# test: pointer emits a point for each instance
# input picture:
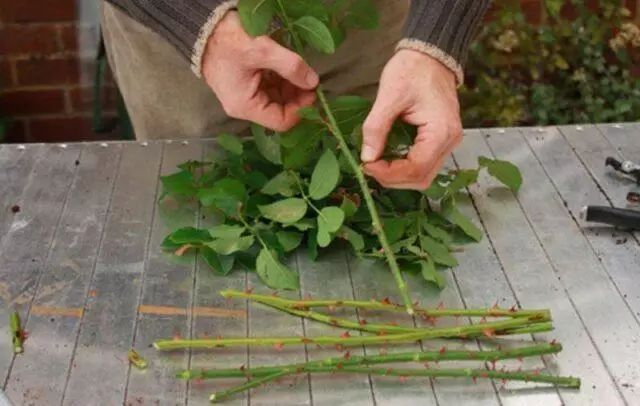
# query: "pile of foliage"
(564, 71)
(274, 192)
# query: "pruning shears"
(627, 217)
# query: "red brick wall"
(46, 82)
(45, 91)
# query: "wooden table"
(81, 262)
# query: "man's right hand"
(256, 79)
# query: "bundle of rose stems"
(508, 322)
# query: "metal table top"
(82, 263)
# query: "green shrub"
(561, 72)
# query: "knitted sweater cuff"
(443, 29)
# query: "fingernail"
(368, 153)
(312, 79)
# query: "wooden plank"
(328, 277)
(618, 252)
(625, 137)
(207, 287)
(15, 167)
(98, 371)
(532, 276)
(593, 149)
(26, 246)
(54, 320)
(168, 281)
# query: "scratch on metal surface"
(197, 311)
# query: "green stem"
(218, 396)
(377, 305)
(344, 147)
(17, 334)
(466, 331)
(428, 356)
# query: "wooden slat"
(98, 372)
(55, 315)
(26, 246)
(167, 282)
(16, 166)
(532, 276)
(328, 277)
(625, 137)
(207, 287)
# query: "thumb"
(288, 64)
(376, 127)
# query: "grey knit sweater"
(442, 29)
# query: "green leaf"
(304, 224)
(315, 33)
(222, 264)
(394, 228)
(256, 15)
(230, 245)
(349, 234)
(269, 147)
(226, 231)
(400, 244)
(455, 216)
(290, 240)
(438, 233)
(256, 180)
(180, 183)
(168, 244)
(312, 244)
(504, 171)
(226, 194)
(348, 207)
(430, 274)
(350, 112)
(554, 7)
(362, 14)
(285, 211)
(283, 184)
(463, 178)
(330, 220)
(435, 191)
(190, 235)
(273, 273)
(310, 113)
(325, 176)
(230, 143)
(440, 253)
(299, 8)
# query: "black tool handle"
(624, 218)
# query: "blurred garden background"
(533, 62)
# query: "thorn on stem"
(345, 335)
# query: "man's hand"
(422, 91)
(256, 79)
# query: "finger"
(276, 116)
(377, 125)
(288, 64)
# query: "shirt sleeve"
(185, 24)
(444, 29)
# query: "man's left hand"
(421, 91)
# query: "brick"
(16, 103)
(15, 131)
(48, 71)
(28, 11)
(65, 129)
(69, 37)
(26, 39)
(82, 99)
(6, 74)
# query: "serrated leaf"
(284, 184)
(400, 244)
(285, 211)
(269, 146)
(167, 244)
(431, 274)
(325, 176)
(350, 112)
(290, 240)
(438, 252)
(180, 183)
(394, 228)
(221, 264)
(354, 238)
(275, 274)
(348, 207)
(310, 113)
(330, 220)
(315, 33)
(226, 231)
(227, 246)
(455, 216)
(504, 171)
(231, 143)
(226, 194)
(190, 235)
(438, 233)
(256, 15)
(362, 14)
